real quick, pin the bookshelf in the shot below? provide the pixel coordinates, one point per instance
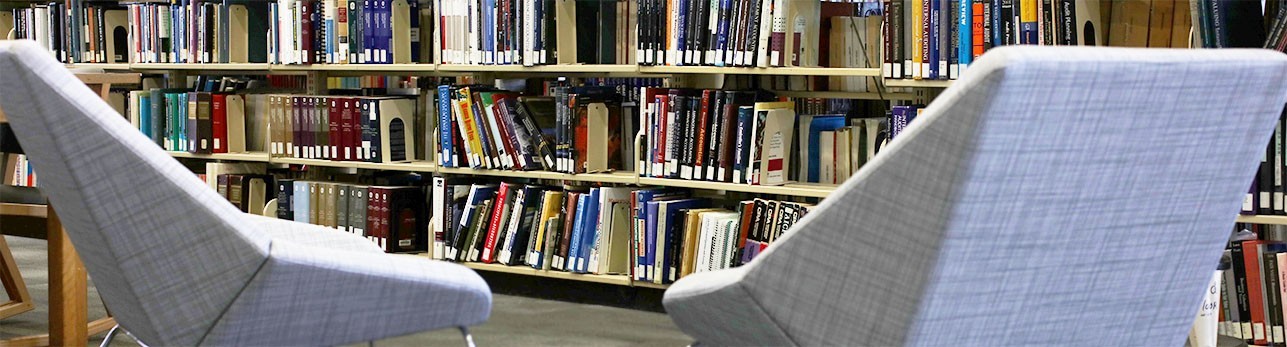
(624, 178)
(910, 83)
(1268, 220)
(575, 67)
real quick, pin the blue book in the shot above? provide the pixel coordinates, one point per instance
(816, 127)
(998, 35)
(964, 31)
(667, 267)
(145, 114)
(488, 23)
(640, 229)
(299, 201)
(416, 31)
(650, 241)
(574, 245)
(935, 23)
(741, 153)
(446, 157)
(722, 35)
(589, 220)
(680, 46)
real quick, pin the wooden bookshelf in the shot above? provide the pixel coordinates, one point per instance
(621, 280)
(911, 83)
(318, 162)
(844, 95)
(413, 166)
(784, 71)
(1271, 220)
(250, 156)
(792, 189)
(627, 178)
(253, 67)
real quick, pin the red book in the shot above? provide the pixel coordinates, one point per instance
(219, 121)
(507, 135)
(334, 133)
(306, 32)
(372, 209)
(1255, 289)
(494, 226)
(703, 123)
(662, 108)
(346, 129)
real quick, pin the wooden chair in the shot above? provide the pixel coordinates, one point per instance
(68, 284)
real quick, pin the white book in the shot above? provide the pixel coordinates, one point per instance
(842, 155)
(827, 157)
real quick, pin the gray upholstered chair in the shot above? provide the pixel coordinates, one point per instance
(178, 265)
(1052, 196)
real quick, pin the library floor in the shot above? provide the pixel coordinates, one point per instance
(515, 320)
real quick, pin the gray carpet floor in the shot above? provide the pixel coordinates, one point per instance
(515, 321)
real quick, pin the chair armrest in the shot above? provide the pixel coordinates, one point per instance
(715, 308)
(308, 295)
(312, 235)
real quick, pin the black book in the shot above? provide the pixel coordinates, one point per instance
(1244, 24)
(285, 194)
(1240, 277)
(1008, 34)
(1272, 288)
(714, 127)
(1068, 22)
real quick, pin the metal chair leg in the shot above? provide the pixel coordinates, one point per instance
(107, 340)
(469, 339)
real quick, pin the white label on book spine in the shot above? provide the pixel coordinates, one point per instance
(1258, 331)
(1248, 202)
(1264, 200)
(686, 172)
(1278, 334)
(1246, 329)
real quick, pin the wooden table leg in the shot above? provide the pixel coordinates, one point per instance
(67, 280)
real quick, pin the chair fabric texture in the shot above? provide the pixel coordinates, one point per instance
(179, 265)
(1051, 196)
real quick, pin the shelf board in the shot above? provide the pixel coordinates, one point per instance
(844, 95)
(202, 67)
(249, 156)
(620, 280)
(793, 189)
(599, 69)
(102, 66)
(358, 68)
(318, 162)
(649, 285)
(792, 71)
(620, 177)
(414, 166)
(1272, 220)
(918, 83)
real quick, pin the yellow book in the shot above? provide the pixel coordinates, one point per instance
(549, 209)
(469, 127)
(917, 34)
(692, 230)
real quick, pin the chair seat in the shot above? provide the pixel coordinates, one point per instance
(22, 195)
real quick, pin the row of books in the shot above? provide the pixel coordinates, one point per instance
(1237, 24)
(726, 33)
(484, 127)
(249, 192)
(1252, 286)
(279, 32)
(506, 32)
(378, 129)
(182, 120)
(23, 175)
(934, 39)
(655, 235)
(1266, 195)
(75, 31)
(715, 135)
(394, 217)
(833, 146)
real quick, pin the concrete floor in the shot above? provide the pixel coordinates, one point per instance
(515, 320)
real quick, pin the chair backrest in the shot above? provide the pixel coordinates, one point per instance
(166, 253)
(1053, 195)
